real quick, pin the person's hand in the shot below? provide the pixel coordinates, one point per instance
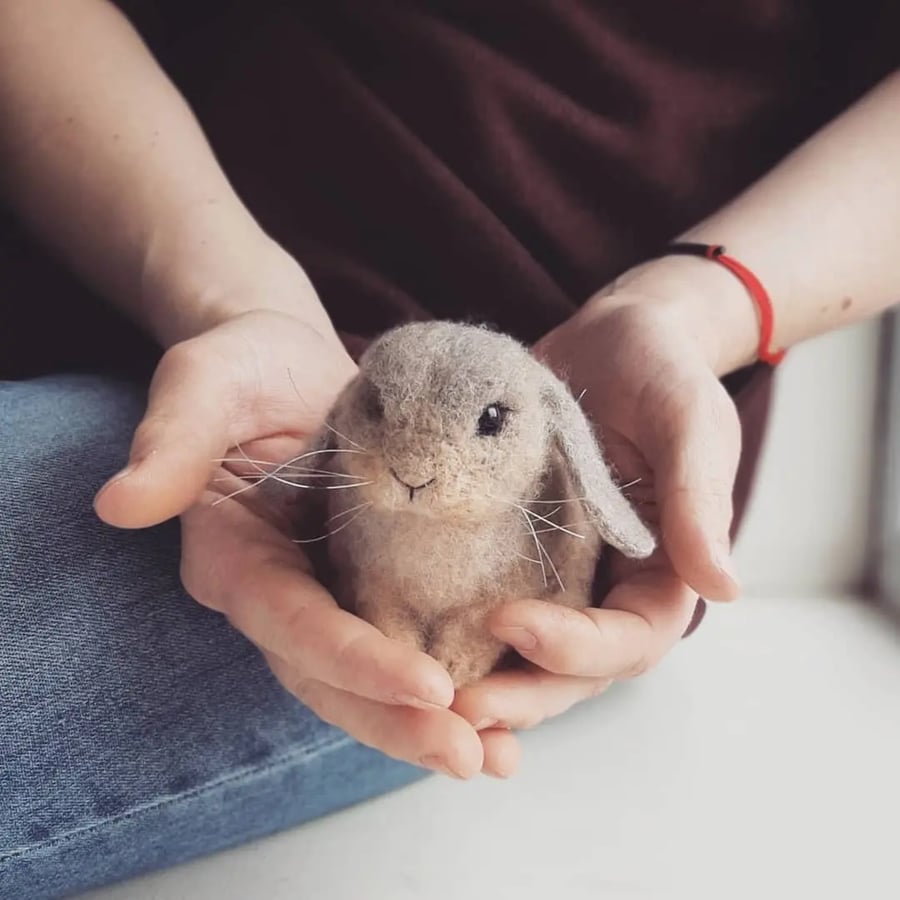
(234, 386)
(649, 371)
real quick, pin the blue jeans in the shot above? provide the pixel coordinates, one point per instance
(137, 729)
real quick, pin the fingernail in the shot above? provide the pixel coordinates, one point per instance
(520, 638)
(417, 702)
(119, 476)
(437, 764)
(725, 563)
(496, 773)
(485, 723)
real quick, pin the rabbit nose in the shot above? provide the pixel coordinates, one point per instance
(412, 488)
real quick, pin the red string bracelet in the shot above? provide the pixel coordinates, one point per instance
(716, 253)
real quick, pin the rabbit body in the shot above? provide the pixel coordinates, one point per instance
(476, 479)
(433, 583)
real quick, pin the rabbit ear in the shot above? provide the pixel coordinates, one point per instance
(615, 518)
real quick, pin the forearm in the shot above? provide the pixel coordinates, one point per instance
(821, 231)
(103, 158)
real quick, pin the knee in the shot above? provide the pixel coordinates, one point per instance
(70, 420)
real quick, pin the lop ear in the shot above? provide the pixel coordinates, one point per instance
(615, 518)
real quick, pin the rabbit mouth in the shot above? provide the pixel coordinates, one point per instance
(412, 488)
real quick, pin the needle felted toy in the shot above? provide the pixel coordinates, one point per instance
(476, 478)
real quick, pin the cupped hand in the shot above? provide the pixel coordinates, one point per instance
(260, 384)
(670, 429)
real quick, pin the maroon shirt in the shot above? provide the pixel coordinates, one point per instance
(494, 161)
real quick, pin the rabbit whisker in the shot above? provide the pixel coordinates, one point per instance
(553, 525)
(320, 475)
(315, 487)
(317, 452)
(291, 462)
(530, 512)
(325, 472)
(559, 581)
(253, 479)
(265, 476)
(537, 544)
(240, 490)
(291, 471)
(330, 427)
(622, 487)
(552, 512)
(530, 559)
(281, 466)
(568, 525)
(259, 462)
(341, 527)
(344, 436)
(347, 512)
(256, 463)
(247, 487)
(256, 466)
(259, 479)
(283, 478)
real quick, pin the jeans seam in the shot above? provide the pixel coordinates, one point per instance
(246, 773)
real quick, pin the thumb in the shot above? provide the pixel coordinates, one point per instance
(183, 430)
(694, 447)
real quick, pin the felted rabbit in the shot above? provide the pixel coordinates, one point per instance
(476, 478)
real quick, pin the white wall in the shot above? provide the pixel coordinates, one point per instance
(806, 526)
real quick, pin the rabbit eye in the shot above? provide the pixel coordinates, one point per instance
(492, 420)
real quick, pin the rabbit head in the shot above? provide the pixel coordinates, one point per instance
(458, 421)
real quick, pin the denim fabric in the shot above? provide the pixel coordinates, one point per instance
(137, 729)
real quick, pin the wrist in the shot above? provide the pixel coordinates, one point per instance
(214, 267)
(702, 297)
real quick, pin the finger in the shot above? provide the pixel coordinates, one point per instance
(502, 752)
(185, 428)
(641, 619)
(693, 445)
(435, 739)
(260, 585)
(308, 629)
(523, 698)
